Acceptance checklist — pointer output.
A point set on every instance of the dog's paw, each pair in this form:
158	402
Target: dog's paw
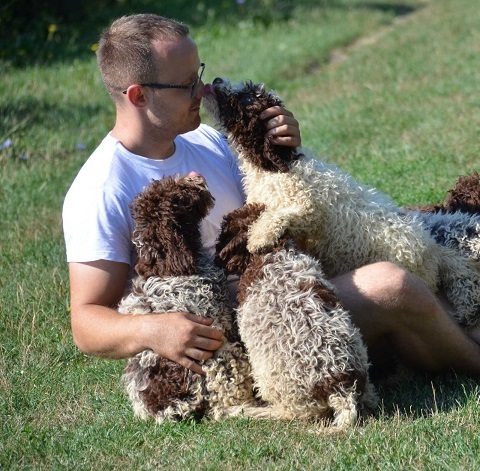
260	245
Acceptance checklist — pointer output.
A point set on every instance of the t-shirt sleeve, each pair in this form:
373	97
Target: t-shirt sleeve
97	226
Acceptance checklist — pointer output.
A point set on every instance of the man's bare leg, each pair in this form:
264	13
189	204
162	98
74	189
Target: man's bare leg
474	333
396	313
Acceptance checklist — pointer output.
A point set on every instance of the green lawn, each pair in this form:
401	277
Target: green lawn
388	90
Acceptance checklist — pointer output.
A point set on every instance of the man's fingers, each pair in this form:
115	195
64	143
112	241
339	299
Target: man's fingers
198	319
198	354
283	124
274	111
283	130
282	127
205	343
193	359
208	338
290	141
191	365
203	328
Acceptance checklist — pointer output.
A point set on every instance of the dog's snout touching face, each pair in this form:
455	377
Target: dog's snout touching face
193	174
217	81
196	179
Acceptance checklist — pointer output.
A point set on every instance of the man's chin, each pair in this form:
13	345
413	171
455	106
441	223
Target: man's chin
195	124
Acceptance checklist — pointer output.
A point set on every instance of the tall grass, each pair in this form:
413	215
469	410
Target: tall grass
400	111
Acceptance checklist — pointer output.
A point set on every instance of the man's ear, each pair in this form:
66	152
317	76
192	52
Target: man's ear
136	96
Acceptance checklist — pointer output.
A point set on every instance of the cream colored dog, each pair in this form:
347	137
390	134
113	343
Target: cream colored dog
341	222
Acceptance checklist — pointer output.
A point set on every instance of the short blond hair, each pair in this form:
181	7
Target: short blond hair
124	52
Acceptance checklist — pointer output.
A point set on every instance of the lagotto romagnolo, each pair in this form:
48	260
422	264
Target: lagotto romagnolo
175	273
308	359
343	223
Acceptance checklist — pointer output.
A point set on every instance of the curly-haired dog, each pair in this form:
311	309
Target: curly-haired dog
176	274
455	223
308	360
338	220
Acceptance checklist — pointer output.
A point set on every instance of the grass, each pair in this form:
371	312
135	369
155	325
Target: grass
400	111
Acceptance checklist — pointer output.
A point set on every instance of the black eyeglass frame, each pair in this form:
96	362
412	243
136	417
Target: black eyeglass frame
160	86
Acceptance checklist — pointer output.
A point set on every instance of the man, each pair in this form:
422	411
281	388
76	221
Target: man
151	69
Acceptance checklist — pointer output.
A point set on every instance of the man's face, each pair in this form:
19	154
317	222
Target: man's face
172	110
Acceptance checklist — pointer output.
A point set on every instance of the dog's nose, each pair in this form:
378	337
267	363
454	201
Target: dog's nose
217	81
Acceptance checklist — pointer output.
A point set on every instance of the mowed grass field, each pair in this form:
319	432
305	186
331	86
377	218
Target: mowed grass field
388	90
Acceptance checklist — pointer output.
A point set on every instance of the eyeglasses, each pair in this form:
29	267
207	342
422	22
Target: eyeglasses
193	86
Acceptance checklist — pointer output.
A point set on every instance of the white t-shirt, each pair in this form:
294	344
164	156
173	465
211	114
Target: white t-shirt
97	222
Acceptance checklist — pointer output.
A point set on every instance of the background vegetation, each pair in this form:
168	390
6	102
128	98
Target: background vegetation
387	89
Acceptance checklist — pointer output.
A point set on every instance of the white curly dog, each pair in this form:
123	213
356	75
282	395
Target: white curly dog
343	223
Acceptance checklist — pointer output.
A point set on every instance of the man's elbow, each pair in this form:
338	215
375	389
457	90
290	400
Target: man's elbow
81	342
80	334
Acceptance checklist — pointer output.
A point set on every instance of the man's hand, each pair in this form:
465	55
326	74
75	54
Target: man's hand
282	127
182	337
98	329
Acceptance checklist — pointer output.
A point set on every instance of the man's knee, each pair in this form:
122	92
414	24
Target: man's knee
387	288
403	296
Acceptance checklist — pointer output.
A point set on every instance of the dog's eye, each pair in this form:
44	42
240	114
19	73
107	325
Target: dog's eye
247	100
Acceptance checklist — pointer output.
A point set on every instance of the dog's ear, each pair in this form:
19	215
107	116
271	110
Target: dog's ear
165	238
178	258
234	256
231	248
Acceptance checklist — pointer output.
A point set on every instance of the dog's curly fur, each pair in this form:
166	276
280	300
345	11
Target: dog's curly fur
176	274
341	222
459	231
307	358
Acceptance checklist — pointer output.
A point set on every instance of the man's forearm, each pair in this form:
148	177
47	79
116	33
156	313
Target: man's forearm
102	331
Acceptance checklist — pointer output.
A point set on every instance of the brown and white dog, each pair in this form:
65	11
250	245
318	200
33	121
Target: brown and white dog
175	273
308	359
338	220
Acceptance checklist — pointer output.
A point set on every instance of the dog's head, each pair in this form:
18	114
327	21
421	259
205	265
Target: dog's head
236	110
167	216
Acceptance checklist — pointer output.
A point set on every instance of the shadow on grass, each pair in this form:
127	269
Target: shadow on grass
39	130
425	395
398	9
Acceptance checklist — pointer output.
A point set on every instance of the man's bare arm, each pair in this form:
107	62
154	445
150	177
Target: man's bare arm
98	329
